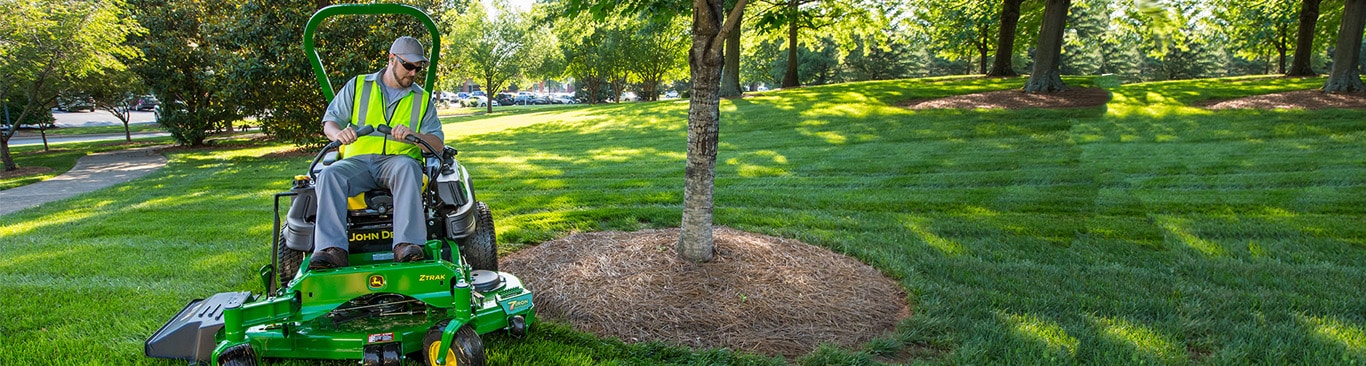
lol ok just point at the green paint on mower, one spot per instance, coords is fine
(375, 310)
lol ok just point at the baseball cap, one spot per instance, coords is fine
(408, 48)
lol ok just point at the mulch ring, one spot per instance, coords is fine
(760, 294)
(25, 171)
(1015, 99)
(1299, 99)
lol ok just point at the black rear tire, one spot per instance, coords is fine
(480, 248)
(466, 348)
(239, 355)
(290, 261)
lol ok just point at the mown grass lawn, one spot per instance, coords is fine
(1143, 231)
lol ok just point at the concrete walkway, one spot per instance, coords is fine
(92, 172)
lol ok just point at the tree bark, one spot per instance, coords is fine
(705, 61)
(982, 60)
(4, 153)
(1005, 40)
(790, 78)
(1046, 78)
(730, 75)
(5, 158)
(1304, 43)
(1345, 77)
(1280, 48)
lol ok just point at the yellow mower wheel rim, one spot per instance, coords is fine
(435, 349)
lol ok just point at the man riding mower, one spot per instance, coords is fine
(370, 300)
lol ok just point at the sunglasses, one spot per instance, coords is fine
(409, 65)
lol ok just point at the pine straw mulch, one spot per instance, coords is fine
(1015, 99)
(1299, 99)
(760, 294)
(25, 171)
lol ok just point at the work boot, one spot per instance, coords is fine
(406, 252)
(328, 258)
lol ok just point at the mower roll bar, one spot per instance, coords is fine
(366, 9)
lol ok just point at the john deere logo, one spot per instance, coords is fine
(376, 282)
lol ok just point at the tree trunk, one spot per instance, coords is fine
(1046, 78)
(5, 158)
(1345, 77)
(43, 131)
(730, 75)
(982, 60)
(1005, 40)
(704, 113)
(1281, 48)
(488, 107)
(1304, 43)
(4, 153)
(790, 78)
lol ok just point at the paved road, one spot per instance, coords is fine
(92, 172)
(99, 118)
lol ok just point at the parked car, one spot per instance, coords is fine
(475, 101)
(445, 96)
(145, 103)
(671, 94)
(504, 99)
(76, 103)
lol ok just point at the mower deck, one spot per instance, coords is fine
(325, 314)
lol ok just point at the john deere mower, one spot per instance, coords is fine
(375, 310)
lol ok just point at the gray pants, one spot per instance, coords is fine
(401, 174)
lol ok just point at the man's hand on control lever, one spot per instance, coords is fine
(401, 132)
(343, 135)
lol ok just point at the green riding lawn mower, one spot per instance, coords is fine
(375, 310)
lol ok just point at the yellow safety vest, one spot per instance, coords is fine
(368, 108)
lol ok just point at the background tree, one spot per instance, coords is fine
(757, 63)
(1304, 39)
(621, 46)
(494, 50)
(814, 66)
(967, 29)
(115, 91)
(582, 46)
(1083, 40)
(183, 67)
(659, 54)
(730, 73)
(1046, 77)
(838, 18)
(1259, 28)
(46, 43)
(1002, 64)
(1346, 76)
(895, 61)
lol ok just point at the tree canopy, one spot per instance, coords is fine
(47, 44)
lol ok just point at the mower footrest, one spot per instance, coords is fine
(190, 334)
